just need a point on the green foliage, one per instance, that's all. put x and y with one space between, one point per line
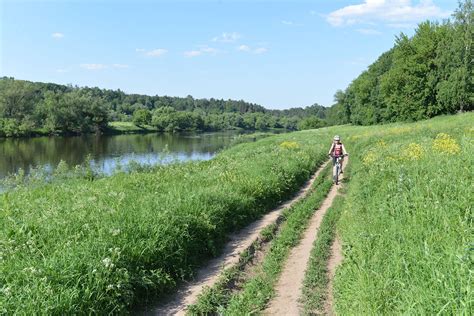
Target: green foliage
141 117
426 75
311 122
42 108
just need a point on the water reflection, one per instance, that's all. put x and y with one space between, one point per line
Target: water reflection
108 152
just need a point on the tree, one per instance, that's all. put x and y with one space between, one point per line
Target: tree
311 122
141 117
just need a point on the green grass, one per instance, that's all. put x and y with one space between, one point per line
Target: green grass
408 225
256 292
128 127
99 246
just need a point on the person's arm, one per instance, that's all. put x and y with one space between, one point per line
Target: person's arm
330 150
344 152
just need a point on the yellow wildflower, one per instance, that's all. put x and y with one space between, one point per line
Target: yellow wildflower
381 144
369 158
413 151
444 143
289 145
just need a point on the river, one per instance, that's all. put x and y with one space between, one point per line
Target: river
109 151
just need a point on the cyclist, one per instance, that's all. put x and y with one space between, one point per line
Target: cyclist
337 150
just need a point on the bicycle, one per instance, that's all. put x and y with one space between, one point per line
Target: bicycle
337 168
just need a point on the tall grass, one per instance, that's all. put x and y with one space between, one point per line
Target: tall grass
408 225
99 245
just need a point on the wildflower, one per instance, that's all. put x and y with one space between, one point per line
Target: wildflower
289 145
6 291
444 143
413 151
115 232
108 263
369 158
31 270
381 144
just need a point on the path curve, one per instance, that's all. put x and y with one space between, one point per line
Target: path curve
289 286
239 242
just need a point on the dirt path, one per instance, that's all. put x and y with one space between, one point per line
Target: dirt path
209 275
334 261
289 287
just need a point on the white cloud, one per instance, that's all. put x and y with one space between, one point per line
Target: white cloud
62 70
369 31
248 49
93 66
157 52
193 53
291 23
243 48
57 35
201 51
391 11
227 37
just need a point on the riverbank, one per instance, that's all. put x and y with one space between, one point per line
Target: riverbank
119 128
113 234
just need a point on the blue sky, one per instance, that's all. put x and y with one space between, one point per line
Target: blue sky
279 54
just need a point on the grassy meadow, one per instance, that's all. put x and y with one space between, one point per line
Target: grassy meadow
82 246
407 225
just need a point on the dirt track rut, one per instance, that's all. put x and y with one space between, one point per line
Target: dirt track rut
239 242
289 286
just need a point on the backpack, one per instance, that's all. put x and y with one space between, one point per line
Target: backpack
338 150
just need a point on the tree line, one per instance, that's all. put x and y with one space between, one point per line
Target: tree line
46 108
428 74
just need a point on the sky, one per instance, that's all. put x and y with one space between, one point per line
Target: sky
278 54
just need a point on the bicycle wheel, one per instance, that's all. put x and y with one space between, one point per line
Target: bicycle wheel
336 176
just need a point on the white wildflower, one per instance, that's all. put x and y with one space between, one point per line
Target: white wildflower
6 291
115 232
108 263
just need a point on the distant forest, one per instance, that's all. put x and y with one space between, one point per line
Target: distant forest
46 108
428 74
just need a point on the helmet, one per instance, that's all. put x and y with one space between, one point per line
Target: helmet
337 137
